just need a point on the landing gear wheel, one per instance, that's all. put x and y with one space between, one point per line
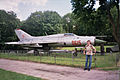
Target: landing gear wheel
75 54
36 53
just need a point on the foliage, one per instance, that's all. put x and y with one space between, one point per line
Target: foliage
89 16
42 23
8 22
69 22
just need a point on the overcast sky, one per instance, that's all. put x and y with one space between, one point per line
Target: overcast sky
23 8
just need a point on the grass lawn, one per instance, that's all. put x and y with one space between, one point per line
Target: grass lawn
8 75
73 48
66 59
110 69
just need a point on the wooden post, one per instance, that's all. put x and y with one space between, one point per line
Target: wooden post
72 59
0 53
40 57
117 58
95 60
55 58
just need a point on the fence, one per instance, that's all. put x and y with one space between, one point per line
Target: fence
64 58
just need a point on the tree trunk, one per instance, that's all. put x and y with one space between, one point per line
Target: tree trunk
115 31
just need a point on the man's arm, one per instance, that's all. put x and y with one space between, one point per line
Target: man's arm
94 49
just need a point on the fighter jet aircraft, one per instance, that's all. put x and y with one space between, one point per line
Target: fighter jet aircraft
56 40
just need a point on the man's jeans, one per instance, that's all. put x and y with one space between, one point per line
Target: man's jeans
90 61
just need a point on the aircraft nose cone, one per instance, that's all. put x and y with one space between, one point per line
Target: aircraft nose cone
98 41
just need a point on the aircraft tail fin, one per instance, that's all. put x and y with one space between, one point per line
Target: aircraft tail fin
22 35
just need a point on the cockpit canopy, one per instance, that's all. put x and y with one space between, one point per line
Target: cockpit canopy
69 34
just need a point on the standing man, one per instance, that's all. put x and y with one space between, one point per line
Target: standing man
89 48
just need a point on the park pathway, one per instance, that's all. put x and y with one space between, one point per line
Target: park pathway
55 72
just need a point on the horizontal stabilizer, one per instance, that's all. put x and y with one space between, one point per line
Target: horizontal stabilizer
12 43
40 43
17 43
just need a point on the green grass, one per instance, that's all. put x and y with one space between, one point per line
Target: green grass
61 59
110 69
66 59
106 61
8 75
73 48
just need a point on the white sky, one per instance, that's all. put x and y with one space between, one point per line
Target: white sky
23 8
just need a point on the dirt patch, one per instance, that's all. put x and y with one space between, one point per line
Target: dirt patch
59 72
55 72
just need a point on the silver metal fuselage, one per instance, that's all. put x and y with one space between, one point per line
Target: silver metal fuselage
59 40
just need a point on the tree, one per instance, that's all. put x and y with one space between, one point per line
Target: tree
69 22
115 22
93 25
8 23
42 23
86 8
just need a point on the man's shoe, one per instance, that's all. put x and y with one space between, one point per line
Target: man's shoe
89 69
85 68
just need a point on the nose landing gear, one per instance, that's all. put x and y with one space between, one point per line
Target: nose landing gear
75 52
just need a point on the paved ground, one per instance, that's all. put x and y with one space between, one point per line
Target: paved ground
54 72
